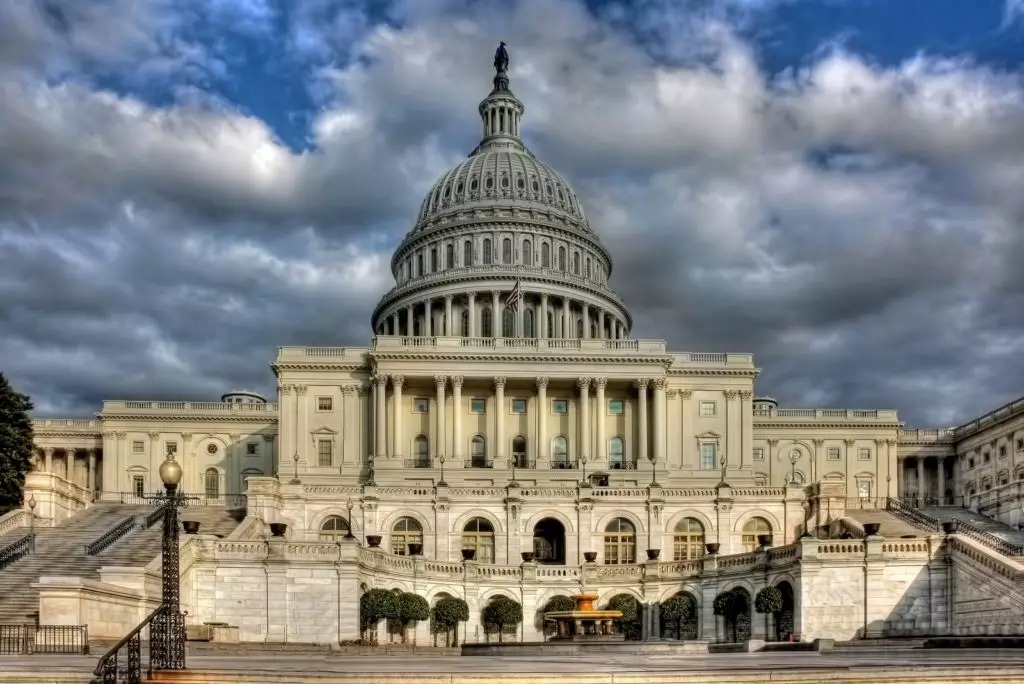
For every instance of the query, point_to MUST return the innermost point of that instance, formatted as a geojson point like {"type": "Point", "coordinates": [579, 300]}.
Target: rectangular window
{"type": "Point", "coordinates": [616, 407]}
{"type": "Point", "coordinates": [1020, 444]}
{"type": "Point", "coordinates": [707, 409]}
{"type": "Point", "coordinates": [864, 454]}
{"type": "Point", "coordinates": [864, 489]}
{"type": "Point", "coordinates": [324, 404]}
{"type": "Point", "coordinates": [478, 405]}
{"type": "Point", "coordinates": [250, 449]}
{"type": "Point", "coordinates": [139, 484]}
{"type": "Point", "coordinates": [758, 453]}
{"type": "Point", "coordinates": [708, 457]}
{"type": "Point", "coordinates": [420, 405]}
{"type": "Point", "coordinates": [560, 406]}
{"type": "Point", "coordinates": [171, 448]}
{"type": "Point", "coordinates": [324, 456]}
{"type": "Point", "coordinates": [988, 456]}
{"type": "Point", "coordinates": [1002, 450]}
{"type": "Point", "coordinates": [970, 463]}
{"type": "Point", "coordinates": [138, 446]}
{"type": "Point", "coordinates": [519, 406]}
{"type": "Point", "coordinates": [833, 453]}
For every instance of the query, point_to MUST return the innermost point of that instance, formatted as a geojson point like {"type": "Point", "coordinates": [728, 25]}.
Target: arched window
{"type": "Point", "coordinates": [579, 329]}
{"type": "Point", "coordinates": [545, 255]}
{"type": "Point", "coordinates": [560, 452]}
{"type": "Point", "coordinates": [519, 451]}
{"type": "Point", "coordinates": [485, 323]}
{"type": "Point", "coordinates": [419, 264]}
{"type": "Point", "coordinates": [561, 258]}
{"type": "Point", "coordinates": [333, 528]}
{"type": "Point", "coordinates": [751, 529]}
{"type": "Point", "coordinates": [465, 322]}
{"type": "Point", "coordinates": [449, 256]}
{"type": "Point", "coordinates": [467, 254]}
{"type": "Point", "coordinates": [550, 332]}
{"type": "Point", "coordinates": [506, 251]}
{"type": "Point", "coordinates": [487, 250]}
{"type": "Point", "coordinates": [478, 534]}
{"type": "Point", "coordinates": [619, 542]}
{"type": "Point", "coordinates": [433, 260]}
{"type": "Point", "coordinates": [527, 253]}
{"type": "Point", "coordinates": [588, 267]}
{"type": "Point", "coordinates": [478, 452]}
{"type": "Point", "coordinates": [616, 457]}
{"type": "Point", "coordinates": [528, 323]}
{"type": "Point", "coordinates": [420, 451]}
{"type": "Point", "coordinates": [688, 540]}
{"type": "Point", "coordinates": [405, 531]}
{"type": "Point", "coordinates": [576, 263]}
{"type": "Point", "coordinates": [212, 483]}
{"type": "Point", "coordinates": [508, 323]}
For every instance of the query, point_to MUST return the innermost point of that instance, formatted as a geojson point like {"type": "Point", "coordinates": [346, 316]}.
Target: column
{"type": "Point", "coordinates": [438, 441]}
{"type": "Point", "coordinates": [520, 311]}
{"type": "Point", "coordinates": [397, 439]}
{"type": "Point", "coordinates": [69, 464]}
{"type": "Point", "coordinates": [379, 387]}
{"type": "Point", "coordinates": [544, 332]}
{"type": "Point", "coordinates": [566, 332]}
{"type": "Point", "coordinates": [920, 479]}
{"type": "Point", "coordinates": [499, 419]}
{"type": "Point", "coordinates": [408, 321]}
{"type": "Point", "coordinates": [900, 479]}
{"type": "Point", "coordinates": [455, 447]}
{"type": "Point", "coordinates": [602, 409]}
{"type": "Point", "coordinates": [448, 326]}
{"type": "Point", "coordinates": [584, 386]}
{"type": "Point", "coordinates": [641, 386]}
{"type": "Point", "coordinates": [394, 322]}
{"type": "Point", "coordinates": [686, 428]}
{"type": "Point", "coordinates": [472, 314]}
{"type": "Point", "coordinates": [428, 319]}
{"type": "Point", "coordinates": [586, 321]}
{"type": "Point", "coordinates": [92, 470]}
{"type": "Point", "coordinates": [941, 494]}
{"type": "Point", "coordinates": [600, 325]}
{"type": "Point", "coordinates": [48, 452]}
{"type": "Point", "coordinates": [660, 437]}
{"type": "Point", "coordinates": [542, 421]}
{"type": "Point", "coordinates": [496, 316]}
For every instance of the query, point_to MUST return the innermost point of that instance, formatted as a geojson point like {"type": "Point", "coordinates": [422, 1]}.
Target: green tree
{"type": "Point", "coordinates": [677, 610]}
{"type": "Point", "coordinates": [15, 443]}
{"type": "Point", "coordinates": [731, 605]}
{"type": "Point", "coordinates": [374, 606]}
{"type": "Point", "coordinates": [769, 602]}
{"type": "Point", "coordinates": [411, 608]}
{"type": "Point", "coordinates": [629, 623]}
{"type": "Point", "coordinates": [501, 614]}
{"type": "Point", "coordinates": [555, 604]}
{"type": "Point", "coordinates": [448, 613]}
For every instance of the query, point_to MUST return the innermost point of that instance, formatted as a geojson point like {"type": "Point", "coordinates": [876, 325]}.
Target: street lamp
{"type": "Point", "coordinates": [348, 505]}
{"type": "Point", "coordinates": [167, 631]}
{"type": "Point", "coordinates": [32, 516]}
{"type": "Point", "coordinates": [295, 458]}
{"type": "Point", "coordinates": [512, 463]}
{"type": "Point", "coordinates": [441, 481]}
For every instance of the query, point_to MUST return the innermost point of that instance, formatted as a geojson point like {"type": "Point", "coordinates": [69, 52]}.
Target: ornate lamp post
{"type": "Point", "coordinates": [512, 463]}
{"type": "Point", "coordinates": [167, 631]}
{"type": "Point", "coordinates": [441, 481]}
{"type": "Point", "coordinates": [32, 516]}
{"type": "Point", "coordinates": [581, 461]}
{"type": "Point", "coordinates": [348, 505]}
{"type": "Point", "coordinates": [295, 458]}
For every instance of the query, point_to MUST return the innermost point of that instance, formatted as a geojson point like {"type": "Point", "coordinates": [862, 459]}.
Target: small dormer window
{"type": "Point", "coordinates": [489, 183]}
{"type": "Point", "coordinates": [459, 188]}
{"type": "Point", "coordinates": [474, 184]}
{"type": "Point", "coordinates": [504, 181]}
{"type": "Point", "coordinates": [520, 183]}
{"type": "Point", "coordinates": [535, 185]}
{"type": "Point", "coordinates": [547, 187]}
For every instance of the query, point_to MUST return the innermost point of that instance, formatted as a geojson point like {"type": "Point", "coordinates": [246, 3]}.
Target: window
{"type": "Point", "coordinates": [688, 540]}
{"type": "Point", "coordinates": [139, 484]}
{"type": "Point", "coordinates": [1002, 450]}
{"type": "Point", "coordinates": [758, 453]}
{"type": "Point", "coordinates": [212, 483]}
{"type": "Point", "coordinates": [478, 534]}
{"type": "Point", "coordinates": [487, 250]}
{"type": "Point", "coordinates": [970, 463]}
{"type": "Point", "coordinates": [420, 450]}
{"type": "Point", "coordinates": [1004, 477]}
{"type": "Point", "coordinates": [864, 454]}
{"type": "Point", "coordinates": [619, 542]}
{"type": "Point", "coordinates": [508, 323]}
{"type": "Point", "coordinates": [138, 446]}
{"type": "Point", "coordinates": [449, 256]}
{"type": "Point", "coordinates": [545, 255]}
{"type": "Point", "coordinates": [478, 406]}
{"type": "Point", "coordinates": [528, 323]}
{"type": "Point", "coordinates": [616, 456]}
{"type": "Point", "coordinates": [467, 254]}
{"type": "Point", "coordinates": [616, 407]}
{"type": "Point", "coordinates": [333, 528]}
{"type": "Point", "coordinates": [485, 323]}
{"type": "Point", "coordinates": [588, 267]}
{"type": "Point", "coordinates": [252, 449]}
{"type": "Point", "coordinates": [527, 253]}
{"type": "Point", "coordinates": [506, 251]}
{"type": "Point", "coordinates": [551, 325]}
{"type": "Point", "coordinates": [1020, 443]}
{"type": "Point", "coordinates": [751, 529]}
{"type": "Point", "coordinates": [433, 260]}
{"type": "Point", "coordinates": [519, 406]}
{"type": "Point", "coordinates": [324, 453]}
{"type": "Point", "coordinates": [833, 453]}
{"type": "Point", "coordinates": [864, 489]}
{"type": "Point", "coordinates": [560, 450]}
{"type": "Point", "coordinates": [519, 451]}
{"type": "Point", "coordinates": [464, 322]}
{"type": "Point", "coordinates": [406, 531]}
{"type": "Point", "coordinates": [561, 258]}
{"type": "Point", "coordinates": [560, 406]}
{"type": "Point", "coordinates": [324, 404]}
{"type": "Point", "coordinates": [421, 405]}
{"type": "Point", "coordinates": [987, 456]}
{"type": "Point", "coordinates": [419, 264]}
{"type": "Point", "coordinates": [211, 449]}
{"type": "Point", "coordinates": [708, 456]}
{"type": "Point", "coordinates": [478, 452]}
{"type": "Point", "coordinates": [707, 409]}
{"type": "Point", "coordinates": [171, 448]}
{"type": "Point", "coordinates": [576, 263]}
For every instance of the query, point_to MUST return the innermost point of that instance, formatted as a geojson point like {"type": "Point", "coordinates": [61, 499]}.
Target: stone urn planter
{"type": "Point", "coordinates": [590, 556]}
{"type": "Point", "coordinates": [764, 539]}
{"type": "Point", "coordinates": [712, 548]}
{"type": "Point", "coordinates": [191, 526]}
{"type": "Point", "coordinates": [652, 554]}
{"type": "Point", "coordinates": [415, 549]}
{"type": "Point", "coordinates": [527, 556]}
{"type": "Point", "coordinates": [468, 554]}
{"type": "Point", "coordinates": [871, 529]}
{"type": "Point", "coordinates": [278, 529]}
{"type": "Point", "coordinates": [373, 540]}
{"type": "Point", "coordinates": [949, 527]}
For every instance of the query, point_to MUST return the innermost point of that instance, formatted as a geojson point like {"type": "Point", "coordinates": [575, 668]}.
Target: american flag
{"type": "Point", "coordinates": [515, 300]}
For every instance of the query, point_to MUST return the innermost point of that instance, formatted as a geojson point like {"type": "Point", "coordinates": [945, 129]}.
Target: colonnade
{"type": "Point", "coordinates": [929, 479]}
{"type": "Point", "coordinates": [44, 462]}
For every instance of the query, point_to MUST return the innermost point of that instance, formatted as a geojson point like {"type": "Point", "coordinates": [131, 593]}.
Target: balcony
{"type": "Point", "coordinates": [479, 462]}
{"type": "Point", "coordinates": [522, 461]}
{"type": "Point", "coordinates": [384, 343]}
{"type": "Point", "coordinates": [563, 465]}
{"type": "Point", "coordinates": [621, 465]}
{"type": "Point", "coordinates": [419, 463]}
{"type": "Point", "coordinates": [187, 408]}
{"type": "Point", "coordinates": [829, 415]}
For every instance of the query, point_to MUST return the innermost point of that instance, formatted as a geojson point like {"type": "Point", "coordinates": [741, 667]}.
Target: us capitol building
{"type": "Point", "coordinates": [505, 406]}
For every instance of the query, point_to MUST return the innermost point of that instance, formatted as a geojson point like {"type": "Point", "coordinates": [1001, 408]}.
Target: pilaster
{"type": "Point", "coordinates": [542, 424]}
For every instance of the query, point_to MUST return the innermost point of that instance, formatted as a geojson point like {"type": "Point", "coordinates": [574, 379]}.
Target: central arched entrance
{"type": "Point", "coordinates": [549, 542]}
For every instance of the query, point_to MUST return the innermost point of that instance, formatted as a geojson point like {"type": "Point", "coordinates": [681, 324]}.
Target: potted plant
{"type": "Point", "coordinates": [712, 548]}
{"type": "Point", "coordinates": [590, 556]}
{"type": "Point", "coordinates": [191, 526]}
{"type": "Point", "coordinates": [278, 528]}
{"type": "Point", "coordinates": [652, 554]}
{"type": "Point", "coordinates": [527, 556]}
{"type": "Point", "coordinates": [415, 549]}
{"type": "Point", "coordinates": [949, 527]}
{"type": "Point", "coordinates": [871, 529]}
{"type": "Point", "coordinates": [764, 539]}
{"type": "Point", "coordinates": [373, 540]}
{"type": "Point", "coordinates": [468, 554]}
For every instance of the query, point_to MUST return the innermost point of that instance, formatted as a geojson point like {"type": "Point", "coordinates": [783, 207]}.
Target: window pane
{"type": "Point", "coordinates": [616, 406]}
{"type": "Point", "coordinates": [324, 452]}
{"type": "Point", "coordinates": [519, 406]}
{"type": "Point", "coordinates": [478, 405]}
{"type": "Point", "coordinates": [708, 461]}
{"type": "Point", "coordinates": [560, 406]}
{"type": "Point", "coordinates": [420, 405]}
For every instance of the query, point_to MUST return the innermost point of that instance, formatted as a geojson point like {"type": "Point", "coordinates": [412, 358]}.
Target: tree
{"type": "Point", "coordinates": [629, 623]}
{"type": "Point", "coordinates": [374, 606]}
{"type": "Point", "coordinates": [731, 605]}
{"type": "Point", "coordinates": [500, 614]}
{"type": "Point", "coordinates": [411, 608]}
{"type": "Point", "coordinates": [448, 613]}
{"type": "Point", "coordinates": [555, 604]}
{"type": "Point", "coordinates": [677, 610]}
{"type": "Point", "coordinates": [769, 602]}
{"type": "Point", "coordinates": [15, 443]}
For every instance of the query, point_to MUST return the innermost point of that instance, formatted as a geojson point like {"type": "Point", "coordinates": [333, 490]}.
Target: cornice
{"type": "Point", "coordinates": [705, 372]}
{"type": "Point", "coordinates": [264, 417]}
{"type": "Point", "coordinates": [524, 358]}
{"type": "Point", "coordinates": [98, 434]}
{"type": "Point", "coordinates": [827, 424]}
{"type": "Point", "coordinates": [304, 366]}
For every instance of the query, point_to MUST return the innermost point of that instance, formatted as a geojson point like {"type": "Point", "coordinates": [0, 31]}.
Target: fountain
{"type": "Point", "coordinates": [584, 623]}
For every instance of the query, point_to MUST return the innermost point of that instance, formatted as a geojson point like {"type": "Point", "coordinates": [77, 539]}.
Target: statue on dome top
{"type": "Point", "coordinates": [501, 58]}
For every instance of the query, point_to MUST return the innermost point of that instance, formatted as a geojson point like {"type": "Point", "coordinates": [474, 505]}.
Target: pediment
{"type": "Point", "coordinates": [324, 430]}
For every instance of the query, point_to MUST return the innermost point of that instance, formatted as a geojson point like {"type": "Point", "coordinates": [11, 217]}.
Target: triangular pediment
{"type": "Point", "coordinates": [324, 430]}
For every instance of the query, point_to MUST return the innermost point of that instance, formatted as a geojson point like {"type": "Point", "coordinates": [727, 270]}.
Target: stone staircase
{"type": "Point", "coordinates": [61, 550]}
{"type": "Point", "coordinates": [987, 525]}
{"type": "Point", "coordinates": [891, 525]}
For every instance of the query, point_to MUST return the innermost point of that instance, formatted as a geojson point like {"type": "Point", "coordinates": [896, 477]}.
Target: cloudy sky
{"type": "Point", "coordinates": [834, 185]}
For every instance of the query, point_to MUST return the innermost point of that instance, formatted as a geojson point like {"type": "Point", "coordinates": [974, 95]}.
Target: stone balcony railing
{"type": "Point", "coordinates": [827, 415]}
{"type": "Point", "coordinates": [1002, 413]}
{"type": "Point", "coordinates": [66, 425]}
{"type": "Point", "coordinates": [942, 435]}
{"type": "Point", "coordinates": [187, 408]}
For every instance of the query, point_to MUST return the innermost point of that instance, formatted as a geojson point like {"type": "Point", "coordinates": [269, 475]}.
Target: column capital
{"type": "Point", "coordinates": [301, 390]}
{"type": "Point", "coordinates": [348, 390]}
{"type": "Point", "coordinates": [91, 452]}
{"type": "Point", "coordinates": [495, 293]}
{"type": "Point", "coordinates": [363, 390]}
{"type": "Point", "coordinates": [448, 298]}
{"type": "Point", "coordinates": [641, 384]}
{"type": "Point", "coordinates": [686, 393]}
{"type": "Point", "coordinates": [819, 442]}
{"type": "Point", "coordinates": [746, 394]}
{"type": "Point", "coordinates": [544, 297]}
{"type": "Point", "coordinates": [397, 381]}
{"type": "Point", "coordinates": [599, 383]}
{"type": "Point", "coordinates": [583, 384]}
{"type": "Point", "coordinates": [379, 380]}
{"type": "Point", "coordinates": [286, 389]}
{"type": "Point", "coordinates": [880, 442]}
{"type": "Point", "coordinates": [772, 442]}
{"type": "Point", "coordinates": [849, 442]}
{"type": "Point", "coordinates": [499, 382]}
{"type": "Point", "coordinates": [154, 436]}
{"type": "Point", "coordinates": [659, 383]}
{"type": "Point", "coordinates": [441, 381]}
{"type": "Point", "coordinates": [71, 451]}
{"type": "Point", "coordinates": [121, 435]}
{"type": "Point", "coordinates": [456, 381]}
{"type": "Point", "coordinates": [731, 394]}
{"type": "Point", "coordinates": [471, 294]}
{"type": "Point", "coordinates": [542, 383]}
{"type": "Point", "coordinates": [48, 451]}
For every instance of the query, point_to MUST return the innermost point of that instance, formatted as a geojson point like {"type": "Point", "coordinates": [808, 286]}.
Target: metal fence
{"type": "Point", "coordinates": [137, 499]}
{"type": "Point", "coordinates": [45, 639]}
{"type": "Point", "coordinates": [16, 549]}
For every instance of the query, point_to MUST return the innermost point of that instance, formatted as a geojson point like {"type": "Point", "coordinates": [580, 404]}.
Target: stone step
{"type": "Point", "coordinates": [982, 522]}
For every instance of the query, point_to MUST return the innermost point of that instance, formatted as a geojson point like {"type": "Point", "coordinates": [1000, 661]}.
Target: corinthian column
{"type": "Point", "coordinates": [448, 325]}
{"type": "Point", "coordinates": [455, 448]}
{"type": "Point", "coordinates": [543, 322]}
{"type": "Point", "coordinates": [542, 421]}
{"type": "Point", "coordinates": [48, 452]}
{"type": "Point", "coordinates": [642, 453]}
{"type": "Point", "coordinates": [602, 438]}
{"type": "Point", "coordinates": [440, 381]}
{"type": "Point", "coordinates": [499, 419]}
{"type": "Point", "coordinates": [584, 385]}
{"type": "Point", "coordinates": [379, 388]}
{"type": "Point", "coordinates": [397, 440]}
{"type": "Point", "coordinates": [496, 317]}
{"type": "Point", "coordinates": [472, 314]}
{"type": "Point", "coordinates": [660, 431]}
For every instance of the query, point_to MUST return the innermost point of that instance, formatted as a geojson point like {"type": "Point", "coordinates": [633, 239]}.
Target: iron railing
{"type": "Point", "coordinates": [17, 549]}
{"type": "Point", "coordinates": [912, 515]}
{"type": "Point", "coordinates": [123, 662]}
{"type": "Point", "coordinates": [157, 515]}
{"type": "Point", "coordinates": [478, 462]}
{"type": "Point", "coordinates": [563, 465]}
{"type": "Point", "coordinates": [523, 462]}
{"type": "Point", "coordinates": [48, 639]}
{"type": "Point", "coordinates": [100, 544]}
{"type": "Point", "coordinates": [621, 465]}
{"type": "Point", "coordinates": [418, 463]}
{"type": "Point", "coordinates": [136, 499]}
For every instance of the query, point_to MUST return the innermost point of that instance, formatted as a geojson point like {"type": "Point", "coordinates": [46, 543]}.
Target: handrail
{"type": "Point", "coordinates": [155, 516]}
{"type": "Point", "coordinates": [107, 667]}
{"type": "Point", "coordinates": [911, 515]}
{"type": "Point", "coordinates": [16, 549]}
{"type": "Point", "coordinates": [100, 544]}
{"type": "Point", "coordinates": [988, 539]}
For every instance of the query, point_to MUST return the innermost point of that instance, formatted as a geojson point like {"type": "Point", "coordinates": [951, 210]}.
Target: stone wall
{"type": "Point", "coordinates": [986, 590]}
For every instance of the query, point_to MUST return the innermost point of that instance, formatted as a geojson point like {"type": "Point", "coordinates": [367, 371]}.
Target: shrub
{"type": "Point", "coordinates": [555, 604]}
{"type": "Point", "coordinates": [629, 624]}
{"type": "Point", "coordinates": [769, 601]}
{"type": "Point", "coordinates": [731, 605]}
{"type": "Point", "coordinates": [501, 614]}
{"type": "Point", "coordinates": [374, 606]}
{"type": "Point", "coordinates": [448, 613]}
{"type": "Point", "coordinates": [677, 610]}
{"type": "Point", "coordinates": [411, 608]}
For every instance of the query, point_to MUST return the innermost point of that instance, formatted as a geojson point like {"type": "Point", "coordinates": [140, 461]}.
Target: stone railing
{"type": "Point", "coordinates": [922, 435]}
{"type": "Point", "coordinates": [14, 520]}
{"type": "Point", "coordinates": [1002, 413]}
{"type": "Point", "coordinates": [188, 407]}
{"type": "Point", "coordinates": [66, 425]}
{"type": "Point", "coordinates": [529, 344]}
{"type": "Point", "coordinates": [326, 354]}
{"type": "Point", "coordinates": [825, 415]}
